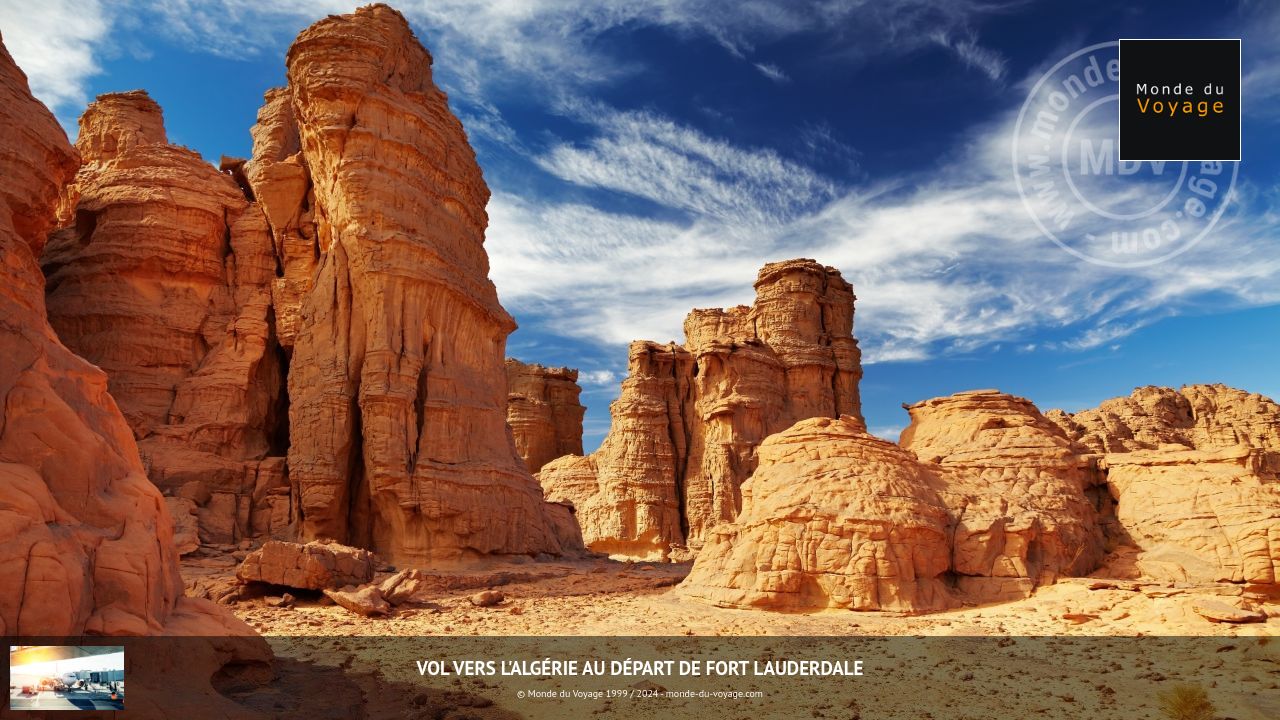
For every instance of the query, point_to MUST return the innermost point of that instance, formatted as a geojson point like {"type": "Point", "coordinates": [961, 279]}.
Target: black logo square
{"type": "Point", "coordinates": [1179, 100]}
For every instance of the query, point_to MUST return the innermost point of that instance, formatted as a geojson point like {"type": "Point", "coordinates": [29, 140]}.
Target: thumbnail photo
{"type": "Point", "coordinates": [66, 677]}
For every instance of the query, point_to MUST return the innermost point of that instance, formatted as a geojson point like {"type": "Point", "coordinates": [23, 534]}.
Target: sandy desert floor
{"type": "Point", "coordinates": [1107, 647]}
{"type": "Point", "coordinates": [603, 597]}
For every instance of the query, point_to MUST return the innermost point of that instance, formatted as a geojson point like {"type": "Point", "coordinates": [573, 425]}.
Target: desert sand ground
{"type": "Point", "coordinates": [1105, 648]}
{"type": "Point", "coordinates": [599, 597]}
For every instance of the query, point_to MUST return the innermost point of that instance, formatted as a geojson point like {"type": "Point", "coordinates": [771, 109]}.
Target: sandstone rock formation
{"type": "Point", "coordinates": [367, 601]}
{"type": "Point", "coordinates": [403, 586]}
{"type": "Point", "coordinates": [313, 566]}
{"type": "Point", "coordinates": [1187, 477]}
{"type": "Point", "coordinates": [1021, 494]}
{"type": "Point", "coordinates": [984, 500]}
{"type": "Point", "coordinates": [1201, 417]}
{"type": "Point", "coordinates": [161, 275]}
{"type": "Point", "coordinates": [396, 385]}
{"type": "Point", "coordinates": [1193, 475]}
{"type": "Point", "coordinates": [832, 517]}
{"type": "Point", "coordinates": [543, 412]}
{"type": "Point", "coordinates": [687, 425]}
{"type": "Point", "coordinates": [85, 541]}
{"type": "Point", "coordinates": [186, 524]}
{"type": "Point", "coordinates": [327, 300]}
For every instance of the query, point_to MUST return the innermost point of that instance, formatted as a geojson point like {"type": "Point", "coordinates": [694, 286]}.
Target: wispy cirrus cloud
{"type": "Point", "coordinates": [973, 55]}
{"type": "Point", "coordinates": [553, 45]}
{"type": "Point", "coordinates": [56, 44]}
{"type": "Point", "coordinates": [652, 157]}
{"type": "Point", "coordinates": [943, 261]}
{"type": "Point", "coordinates": [773, 72]}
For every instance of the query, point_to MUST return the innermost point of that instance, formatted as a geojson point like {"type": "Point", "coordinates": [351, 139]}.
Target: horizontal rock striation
{"type": "Point", "coordinates": [832, 518]}
{"type": "Point", "coordinates": [1022, 495]}
{"type": "Point", "coordinates": [544, 412]}
{"type": "Point", "coordinates": [161, 275]}
{"type": "Point", "coordinates": [1193, 474]}
{"type": "Point", "coordinates": [306, 344]}
{"type": "Point", "coordinates": [988, 499]}
{"type": "Point", "coordinates": [86, 544]}
{"type": "Point", "coordinates": [313, 566]}
{"type": "Point", "coordinates": [690, 417]}
{"type": "Point", "coordinates": [397, 385]}
{"type": "Point", "coordinates": [984, 501]}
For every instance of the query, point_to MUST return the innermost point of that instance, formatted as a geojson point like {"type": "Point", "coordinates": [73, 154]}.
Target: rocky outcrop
{"type": "Point", "coordinates": [327, 300]}
{"type": "Point", "coordinates": [832, 518]}
{"type": "Point", "coordinates": [313, 566]}
{"type": "Point", "coordinates": [86, 543]}
{"type": "Point", "coordinates": [161, 275]}
{"type": "Point", "coordinates": [366, 601]}
{"type": "Point", "coordinates": [984, 501]}
{"type": "Point", "coordinates": [397, 388]}
{"type": "Point", "coordinates": [403, 587]}
{"type": "Point", "coordinates": [1193, 476]}
{"type": "Point", "coordinates": [627, 496]}
{"type": "Point", "coordinates": [281, 184]}
{"type": "Point", "coordinates": [1021, 493]}
{"type": "Point", "coordinates": [1204, 417]}
{"type": "Point", "coordinates": [544, 412]}
{"type": "Point", "coordinates": [690, 417]}
{"type": "Point", "coordinates": [186, 524]}
{"type": "Point", "coordinates": [987, 499]}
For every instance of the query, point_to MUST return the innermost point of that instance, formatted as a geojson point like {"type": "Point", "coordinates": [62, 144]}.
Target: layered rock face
{"type": "Point", "coordinates": [1201, 417]}
{"type": "Point", "coordinates": [544, 412]}
{"type": "Point", "coordinates": [984, 500]}
{"type": "Point", "coordinates": [628, 495]}
{"type": "Point", "coordinates": [86, 543]}
{"type": "Point", "coordinates": [690, 417]}
{"type": "Point", "coordinates": [161, 275]}
{"type": "Point", "coordinates": [1025, 511]}
{"type": "Point", "coordinates": [1020, 499]}
{"type": "Point", "coordinates": [313, 566]}
{"type": "Point", "coordinates": [327, 300]}
{"type": "Point", "coordinates": [1193, 473]}
{"type": "Point", "coordinates": [397, 385]}
{"type": "Point", "coordinates": [833, 517]}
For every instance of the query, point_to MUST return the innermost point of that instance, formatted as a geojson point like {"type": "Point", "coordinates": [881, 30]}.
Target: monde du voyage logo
{"type": "Point", "coordinates": [1126, 153]}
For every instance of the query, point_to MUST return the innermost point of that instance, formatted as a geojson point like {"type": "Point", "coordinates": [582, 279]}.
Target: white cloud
{"type": "Point", "coordinates": [821, 145]}
{"type": "Point", "coordinates": [488, 47]}
{"type": "Point", "coordinates": [54, 43]}
{"type": "Point", "coordinates": [887, 432]}
{"type": "Point", "coordinates": [773, 72]}
{"type": "Point", "coordinates": [988, 61]}
{"type": "Point", "coordinates": [598, 377]}
{"type": "Point", "coordinates": [649, 156]}
{"type": "Point", "coordinates": [1260, 61]}
{"type": "Point", "coordinates": [947, 261]}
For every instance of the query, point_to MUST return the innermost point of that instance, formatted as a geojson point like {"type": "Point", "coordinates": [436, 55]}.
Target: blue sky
{"type": "Point", "coordinates": [647, 157]}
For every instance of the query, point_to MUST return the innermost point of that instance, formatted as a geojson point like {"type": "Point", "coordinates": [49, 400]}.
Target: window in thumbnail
{"type": "Point", "coordinates": [66, 677]}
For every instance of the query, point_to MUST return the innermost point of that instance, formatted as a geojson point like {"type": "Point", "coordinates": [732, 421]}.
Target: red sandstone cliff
{"type": "Point", "coordinates": [162, 277]}
{"type": "Point", "coordinates": [397, 385]}
{"type": "Point", "coordinates": [327, 300]}
{"type": "Point", "coordinates": [1193, 475]}
{"type": "Point", "coordinates": [687, 425]}
{"type": "Point", "coordinates": [86, 542]}
{"type": "Point", "coordinates": [543, 412]}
